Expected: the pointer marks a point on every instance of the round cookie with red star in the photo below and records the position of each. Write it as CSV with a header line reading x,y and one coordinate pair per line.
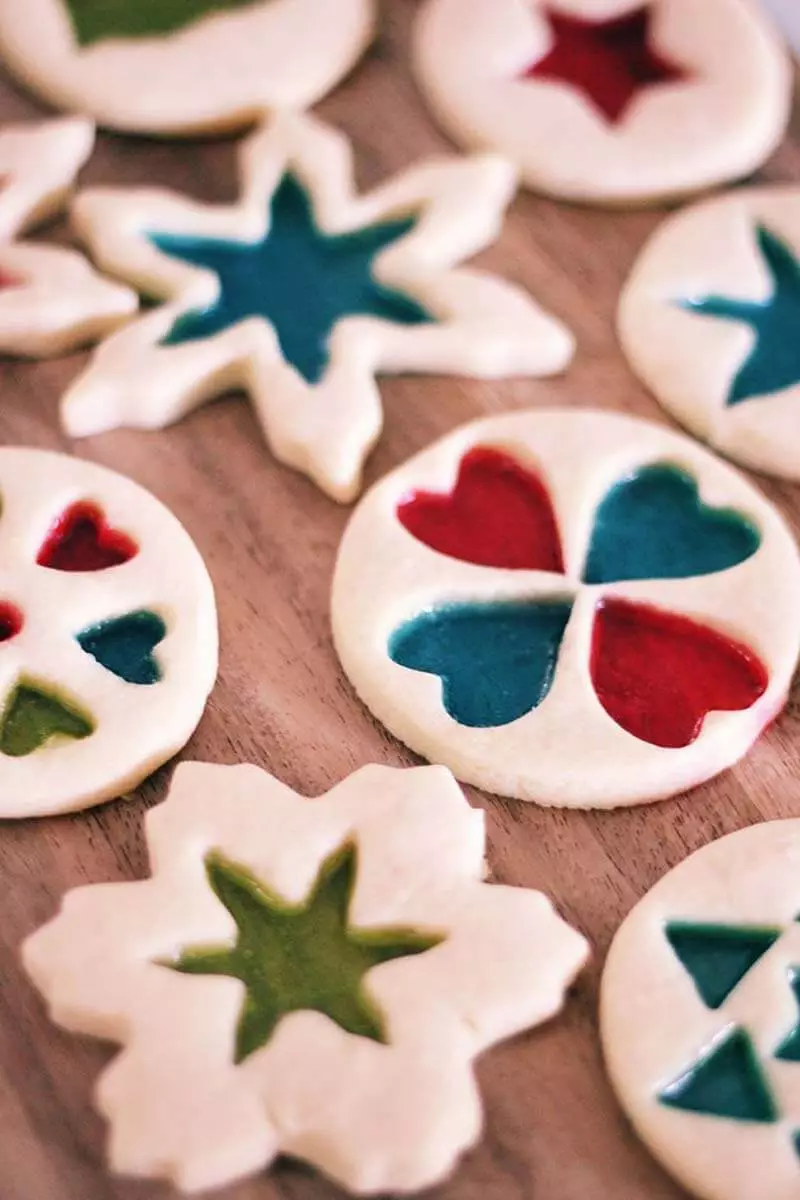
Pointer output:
x,y
608,101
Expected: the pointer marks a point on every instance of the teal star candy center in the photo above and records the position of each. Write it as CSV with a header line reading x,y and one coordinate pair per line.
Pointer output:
x,y
297,278
299,957
773,364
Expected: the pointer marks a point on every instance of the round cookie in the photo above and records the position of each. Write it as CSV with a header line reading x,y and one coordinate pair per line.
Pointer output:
x,y
708,321
575,608
108,634
187,66
700,1016
608,101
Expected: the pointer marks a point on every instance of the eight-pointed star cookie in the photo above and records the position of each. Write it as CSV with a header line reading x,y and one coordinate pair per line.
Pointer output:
x,y
443,965
301,292
51,299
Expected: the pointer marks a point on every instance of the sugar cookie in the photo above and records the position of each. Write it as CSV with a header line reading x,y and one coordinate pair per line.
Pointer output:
x,y
186,66
709,319
51,300
609,101
108,634
308,977
302,292
700,1016
571,607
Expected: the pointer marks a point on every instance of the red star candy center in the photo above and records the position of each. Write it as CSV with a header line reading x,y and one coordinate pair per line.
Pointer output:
x,y
609,61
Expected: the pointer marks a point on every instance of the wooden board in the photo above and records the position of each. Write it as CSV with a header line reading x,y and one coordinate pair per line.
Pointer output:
x,y
553,1130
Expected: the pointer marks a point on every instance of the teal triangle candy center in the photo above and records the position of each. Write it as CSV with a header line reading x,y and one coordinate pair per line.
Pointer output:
x,y
496,661
297,278
654,525
773,363
718,956
124,645
725,1081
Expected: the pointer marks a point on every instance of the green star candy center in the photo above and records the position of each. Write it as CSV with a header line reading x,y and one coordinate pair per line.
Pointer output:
x,y
298,957
98,20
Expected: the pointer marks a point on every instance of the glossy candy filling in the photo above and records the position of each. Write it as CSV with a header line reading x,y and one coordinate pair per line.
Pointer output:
x,y
97,20
34,714
82,540
124,645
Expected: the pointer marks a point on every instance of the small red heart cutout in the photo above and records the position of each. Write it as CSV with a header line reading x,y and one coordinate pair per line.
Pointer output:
x,y
498,515
82,540
659,675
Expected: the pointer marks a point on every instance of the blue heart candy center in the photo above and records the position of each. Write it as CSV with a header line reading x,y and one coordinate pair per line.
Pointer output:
x,y
124,645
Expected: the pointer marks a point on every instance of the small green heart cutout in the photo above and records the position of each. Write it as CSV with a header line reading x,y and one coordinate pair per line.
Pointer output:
x,y
33,716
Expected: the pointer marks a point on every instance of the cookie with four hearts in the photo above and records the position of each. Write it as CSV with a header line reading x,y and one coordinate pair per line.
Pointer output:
x,y
108,634
708,320
700,1016
576,608
306,977
173,67
608,101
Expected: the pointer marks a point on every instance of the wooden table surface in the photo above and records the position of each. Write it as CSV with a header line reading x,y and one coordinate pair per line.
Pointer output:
x,y
553,1129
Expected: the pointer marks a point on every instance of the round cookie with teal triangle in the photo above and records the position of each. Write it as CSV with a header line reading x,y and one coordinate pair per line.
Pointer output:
x,y
571,607
700,1016
173,67
708,320
108,634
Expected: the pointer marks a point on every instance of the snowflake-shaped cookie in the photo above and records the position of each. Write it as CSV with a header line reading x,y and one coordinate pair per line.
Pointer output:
x,y
302,292
575,608
108,634
310,977
700,1016
51,300
183,66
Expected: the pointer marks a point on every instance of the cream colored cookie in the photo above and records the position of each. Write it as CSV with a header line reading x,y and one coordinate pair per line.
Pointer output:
x,y
108,634
700,1016
571,607
340,287
186,66
349,1044
609,101
708,321
51,300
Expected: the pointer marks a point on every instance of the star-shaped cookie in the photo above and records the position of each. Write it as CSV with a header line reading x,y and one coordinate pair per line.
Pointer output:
x,y
302,292
51,299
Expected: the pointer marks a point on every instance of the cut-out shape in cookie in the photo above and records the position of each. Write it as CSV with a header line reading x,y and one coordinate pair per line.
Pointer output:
x,y
637,92
173,67
659,675
654,525
301,280
694,1028
302,293
789,1048
94,695
11,621
124,645
498,514
725,1081
82,540
774,362
95,22
496,661
295,958
718,956
667,573
609,61
34,715
707,320
345,950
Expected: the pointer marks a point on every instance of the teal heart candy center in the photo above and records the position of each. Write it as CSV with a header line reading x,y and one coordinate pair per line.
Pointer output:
x,y
98,20
124,645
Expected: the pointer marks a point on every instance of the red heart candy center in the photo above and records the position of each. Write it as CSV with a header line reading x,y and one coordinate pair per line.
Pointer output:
x,y
658,675
82,540
498,515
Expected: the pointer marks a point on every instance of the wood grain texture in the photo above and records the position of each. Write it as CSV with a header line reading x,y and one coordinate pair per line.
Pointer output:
x,y
553,1130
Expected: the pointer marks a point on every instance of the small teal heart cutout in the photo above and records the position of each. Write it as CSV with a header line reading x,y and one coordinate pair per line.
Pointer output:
x,y
496,661
124,645
653,525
